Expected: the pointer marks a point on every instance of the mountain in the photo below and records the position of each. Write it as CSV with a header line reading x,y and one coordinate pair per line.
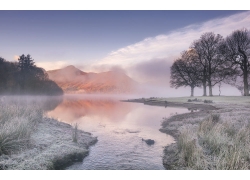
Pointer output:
x,y
74,81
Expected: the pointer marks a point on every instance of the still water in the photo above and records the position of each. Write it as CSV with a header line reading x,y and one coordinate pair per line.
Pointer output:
x,y
120,127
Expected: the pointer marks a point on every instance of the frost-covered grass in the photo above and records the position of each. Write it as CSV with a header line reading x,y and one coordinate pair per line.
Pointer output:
x,y
215,99
222,144
16,125
217,139
30,141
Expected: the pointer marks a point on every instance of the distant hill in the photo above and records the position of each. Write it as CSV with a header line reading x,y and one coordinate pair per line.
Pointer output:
x,y
74,81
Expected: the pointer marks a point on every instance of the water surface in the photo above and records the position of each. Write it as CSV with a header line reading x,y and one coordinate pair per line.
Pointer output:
x,y
120,127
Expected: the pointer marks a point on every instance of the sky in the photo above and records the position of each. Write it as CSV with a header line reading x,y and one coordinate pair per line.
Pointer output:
x,y
143,44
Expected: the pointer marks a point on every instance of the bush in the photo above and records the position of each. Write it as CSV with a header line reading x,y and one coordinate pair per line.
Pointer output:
x,y
194,100
208,101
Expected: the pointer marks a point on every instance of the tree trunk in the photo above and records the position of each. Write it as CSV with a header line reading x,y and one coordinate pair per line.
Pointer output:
x,y
204,81
219,90
209,78
246,90
204,89
192,91
210,88
245,72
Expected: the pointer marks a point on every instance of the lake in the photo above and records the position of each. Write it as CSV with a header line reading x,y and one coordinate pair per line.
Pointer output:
x,y
120,128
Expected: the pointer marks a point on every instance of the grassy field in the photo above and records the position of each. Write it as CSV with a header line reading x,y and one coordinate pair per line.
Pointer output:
x,y
215,99
30,141
214,139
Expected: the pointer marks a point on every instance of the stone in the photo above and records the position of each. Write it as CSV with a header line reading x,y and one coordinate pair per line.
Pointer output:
x,y
148,141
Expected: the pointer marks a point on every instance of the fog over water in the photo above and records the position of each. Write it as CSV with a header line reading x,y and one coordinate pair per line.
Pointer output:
x,y
119,127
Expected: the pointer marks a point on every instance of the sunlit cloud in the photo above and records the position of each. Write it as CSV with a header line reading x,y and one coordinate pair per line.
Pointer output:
x,y
169,46
149,60
48,65
15,57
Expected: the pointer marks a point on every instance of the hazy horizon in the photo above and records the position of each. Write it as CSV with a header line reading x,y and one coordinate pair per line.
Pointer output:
x,y
109,88
142,44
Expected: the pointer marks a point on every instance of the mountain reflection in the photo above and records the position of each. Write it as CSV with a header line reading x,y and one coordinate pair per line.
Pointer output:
x,y
72,109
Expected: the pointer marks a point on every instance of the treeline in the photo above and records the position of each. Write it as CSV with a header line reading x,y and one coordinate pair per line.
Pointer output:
x,y
212,60
25,78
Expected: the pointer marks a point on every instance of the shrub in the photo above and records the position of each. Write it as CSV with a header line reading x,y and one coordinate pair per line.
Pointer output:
x,y
194,100
208,101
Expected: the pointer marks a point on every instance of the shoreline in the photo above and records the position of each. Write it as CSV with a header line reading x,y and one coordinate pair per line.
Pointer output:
x,y
51,148
200,110
190,106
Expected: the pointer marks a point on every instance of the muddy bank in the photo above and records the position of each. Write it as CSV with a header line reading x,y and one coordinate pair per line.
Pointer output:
x,y
51,147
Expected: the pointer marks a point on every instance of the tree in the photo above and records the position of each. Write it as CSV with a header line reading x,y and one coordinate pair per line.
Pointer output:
x,y
236,49
23,77
25,63
3,77
185,72
8,76
214,68
219,85
197,47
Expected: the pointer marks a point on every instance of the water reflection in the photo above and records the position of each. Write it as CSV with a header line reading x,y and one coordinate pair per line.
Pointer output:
x,y
46,103
72,109
120,127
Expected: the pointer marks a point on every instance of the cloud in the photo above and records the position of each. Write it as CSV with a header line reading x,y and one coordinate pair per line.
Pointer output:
x,y
150,59
48,65
153,70
15,57
170,45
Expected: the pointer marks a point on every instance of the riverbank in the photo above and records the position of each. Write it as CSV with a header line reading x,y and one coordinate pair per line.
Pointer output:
x,y
33,142
51,147
214,137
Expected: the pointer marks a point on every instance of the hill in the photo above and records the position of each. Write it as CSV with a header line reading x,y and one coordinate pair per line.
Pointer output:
x,y
75,81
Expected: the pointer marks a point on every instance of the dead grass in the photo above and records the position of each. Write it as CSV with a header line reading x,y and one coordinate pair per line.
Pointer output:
x,y
16,124
30,141
216,139
215,99
75,133
216,143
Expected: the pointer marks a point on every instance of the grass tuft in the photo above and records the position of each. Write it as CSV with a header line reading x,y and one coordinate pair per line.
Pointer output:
x,y
215,144
16,124
74,134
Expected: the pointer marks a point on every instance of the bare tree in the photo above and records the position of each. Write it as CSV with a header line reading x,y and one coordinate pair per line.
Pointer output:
x,y
196,45
185,72
237,81
236,49
213,65
219,85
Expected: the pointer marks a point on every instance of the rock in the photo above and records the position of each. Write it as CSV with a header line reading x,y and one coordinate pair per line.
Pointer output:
x,y
148,141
